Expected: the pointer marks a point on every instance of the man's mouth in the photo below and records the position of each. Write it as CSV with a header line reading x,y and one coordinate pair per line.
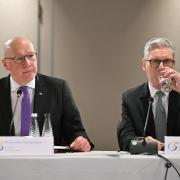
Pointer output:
x,y
27,71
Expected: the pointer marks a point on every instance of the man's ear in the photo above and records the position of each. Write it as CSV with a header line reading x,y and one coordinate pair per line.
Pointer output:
x,y
5,64
143,64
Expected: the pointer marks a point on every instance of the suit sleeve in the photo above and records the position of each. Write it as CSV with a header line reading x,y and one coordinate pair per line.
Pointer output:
x,y
72,124
125,130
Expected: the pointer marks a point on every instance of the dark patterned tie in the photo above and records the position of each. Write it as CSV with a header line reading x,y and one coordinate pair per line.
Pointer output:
x,y
25,112
160,117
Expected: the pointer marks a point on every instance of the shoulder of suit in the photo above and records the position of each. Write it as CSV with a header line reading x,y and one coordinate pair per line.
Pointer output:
x,y
4,80
175,93
132,95
50,79
135,90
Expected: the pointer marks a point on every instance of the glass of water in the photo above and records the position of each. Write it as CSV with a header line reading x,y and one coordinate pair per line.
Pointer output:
x,y
166,84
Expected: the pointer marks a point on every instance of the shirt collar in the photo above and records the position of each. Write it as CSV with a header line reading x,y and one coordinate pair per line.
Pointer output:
x,y
15,85
153,90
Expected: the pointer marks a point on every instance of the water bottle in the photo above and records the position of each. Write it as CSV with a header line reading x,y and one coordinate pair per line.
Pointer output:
x,y
34,128
47,128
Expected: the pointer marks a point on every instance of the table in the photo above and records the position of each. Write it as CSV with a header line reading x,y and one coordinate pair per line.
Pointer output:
x,y
95,165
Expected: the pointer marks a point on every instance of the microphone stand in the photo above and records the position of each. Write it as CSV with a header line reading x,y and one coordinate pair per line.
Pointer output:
x,y
19,92
141,146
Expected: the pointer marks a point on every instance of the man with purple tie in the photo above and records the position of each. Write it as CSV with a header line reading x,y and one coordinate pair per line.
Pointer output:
x,y
25,91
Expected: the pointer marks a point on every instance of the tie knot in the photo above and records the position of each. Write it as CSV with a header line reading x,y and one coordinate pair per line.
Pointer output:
x,y
159,94
24,89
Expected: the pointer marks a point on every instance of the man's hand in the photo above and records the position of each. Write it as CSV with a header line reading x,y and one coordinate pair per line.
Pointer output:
x,y
80,144
173,75
160,144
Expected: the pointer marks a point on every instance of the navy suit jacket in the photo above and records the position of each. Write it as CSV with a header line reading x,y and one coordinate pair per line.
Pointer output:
x,y
52,95
135,103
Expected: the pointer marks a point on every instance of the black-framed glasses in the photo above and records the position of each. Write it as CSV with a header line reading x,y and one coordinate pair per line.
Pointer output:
x,y
21,59
166,62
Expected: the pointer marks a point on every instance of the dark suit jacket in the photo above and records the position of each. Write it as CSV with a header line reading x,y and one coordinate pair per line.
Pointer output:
x,y
134,111
52,96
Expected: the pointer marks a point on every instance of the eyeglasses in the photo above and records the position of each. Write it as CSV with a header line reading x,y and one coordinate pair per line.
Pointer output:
x,y
21,59
166,62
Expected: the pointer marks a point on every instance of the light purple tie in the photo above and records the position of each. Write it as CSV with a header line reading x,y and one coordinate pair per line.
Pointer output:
x,y
25,112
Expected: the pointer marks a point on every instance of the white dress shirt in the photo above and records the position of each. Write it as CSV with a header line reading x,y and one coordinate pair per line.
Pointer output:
x,y
165,99
17,114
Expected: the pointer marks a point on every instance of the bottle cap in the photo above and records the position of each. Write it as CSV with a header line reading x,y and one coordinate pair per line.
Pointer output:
x,y
47,115
34,115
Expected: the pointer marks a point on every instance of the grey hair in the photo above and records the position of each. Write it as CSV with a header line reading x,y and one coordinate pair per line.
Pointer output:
x,y
157,43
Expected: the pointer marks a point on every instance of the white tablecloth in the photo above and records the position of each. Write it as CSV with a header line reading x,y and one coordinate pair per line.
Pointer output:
x,y
96,165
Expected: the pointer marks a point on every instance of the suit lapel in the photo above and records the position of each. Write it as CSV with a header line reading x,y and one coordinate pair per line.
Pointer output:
x,y
144,99
40,100
173,111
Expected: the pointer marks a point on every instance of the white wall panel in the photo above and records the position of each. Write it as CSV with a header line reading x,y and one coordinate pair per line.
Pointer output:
x,y
17,18
97,46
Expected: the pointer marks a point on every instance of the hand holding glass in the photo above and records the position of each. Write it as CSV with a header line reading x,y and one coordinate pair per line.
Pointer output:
x,y
166,84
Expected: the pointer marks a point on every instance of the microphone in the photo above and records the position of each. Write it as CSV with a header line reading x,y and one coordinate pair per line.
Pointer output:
x,y
147,118
140,145
19,92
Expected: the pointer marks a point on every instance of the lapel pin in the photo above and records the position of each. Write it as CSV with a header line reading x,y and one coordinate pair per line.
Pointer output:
x,y
40,93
